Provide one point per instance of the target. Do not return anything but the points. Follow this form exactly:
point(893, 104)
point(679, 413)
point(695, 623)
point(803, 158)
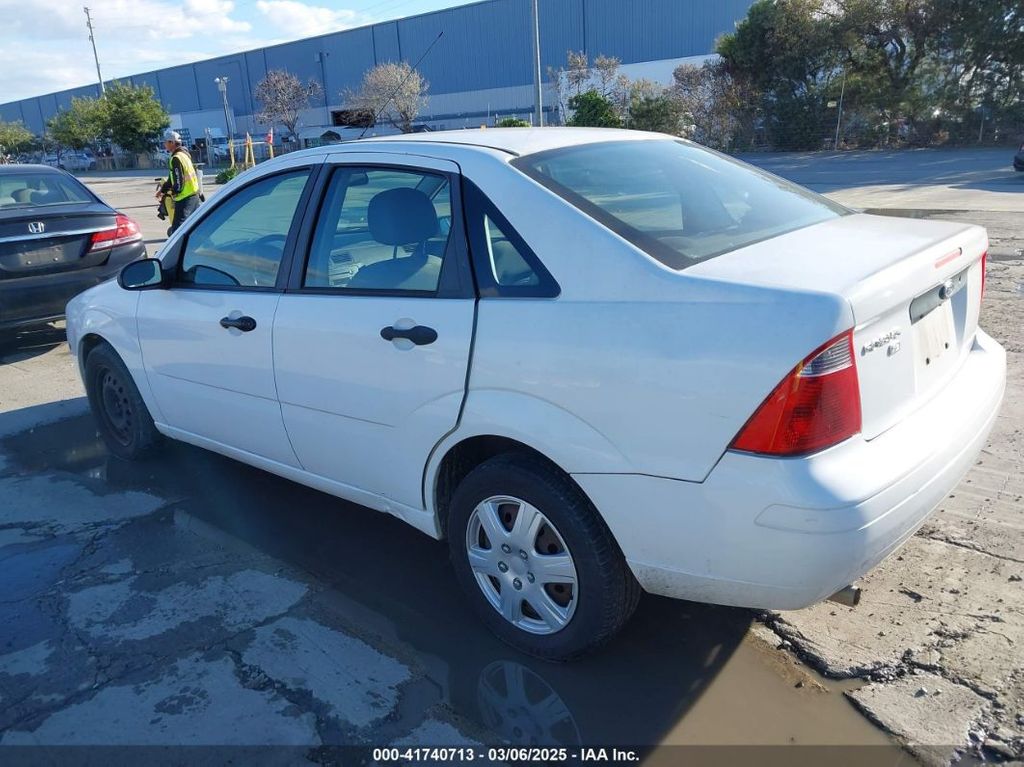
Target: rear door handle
point(420, 335)
point(243, 323)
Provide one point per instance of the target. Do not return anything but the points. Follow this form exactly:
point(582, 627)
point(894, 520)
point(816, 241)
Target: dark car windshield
point(30, 189)
point(680, 203)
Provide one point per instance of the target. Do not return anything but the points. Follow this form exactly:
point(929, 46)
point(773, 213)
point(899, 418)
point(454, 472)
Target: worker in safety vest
point(182, 184)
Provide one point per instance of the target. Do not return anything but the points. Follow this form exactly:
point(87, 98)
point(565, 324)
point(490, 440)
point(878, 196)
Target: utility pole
point(92, 39)
point(536, 67)
point(222, 86)
point(839, 117)
point(321, 56)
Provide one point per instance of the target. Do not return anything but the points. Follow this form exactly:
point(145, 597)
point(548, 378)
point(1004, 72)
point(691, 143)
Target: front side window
point(677, 202)
point(381, 229)
point(241, 243)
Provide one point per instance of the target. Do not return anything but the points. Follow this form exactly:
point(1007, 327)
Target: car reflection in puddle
point(369, 581)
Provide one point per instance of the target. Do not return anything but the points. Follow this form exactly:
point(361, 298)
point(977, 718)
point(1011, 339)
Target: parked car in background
point(597, 361)
point(71, 160)
point(1018, 160)
point(57, 238)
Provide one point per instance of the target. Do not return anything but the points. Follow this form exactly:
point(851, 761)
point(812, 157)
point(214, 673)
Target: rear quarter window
point(678, 202)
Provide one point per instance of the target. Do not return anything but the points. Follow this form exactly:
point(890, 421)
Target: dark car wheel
point(122, 417)
point(538, 563)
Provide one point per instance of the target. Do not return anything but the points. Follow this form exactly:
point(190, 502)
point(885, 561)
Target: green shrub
point(226, 175)
point(513, 122)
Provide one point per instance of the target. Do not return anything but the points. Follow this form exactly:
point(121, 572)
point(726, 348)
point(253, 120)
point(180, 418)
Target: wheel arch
point(501, 421)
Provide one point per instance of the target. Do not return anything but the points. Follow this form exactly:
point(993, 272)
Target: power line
point(96, 58)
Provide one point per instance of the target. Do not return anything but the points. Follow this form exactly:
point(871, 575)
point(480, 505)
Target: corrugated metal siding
point(150, 79)
point(11, 112)
point(178, 89)
point(86, 91)
point(643, 30)
point(385, 42)
point(561, 31)
point(349, 55)
point(485, 45)
point(205, 72)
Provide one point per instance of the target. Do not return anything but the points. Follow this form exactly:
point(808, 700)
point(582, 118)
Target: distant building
point(479, 71)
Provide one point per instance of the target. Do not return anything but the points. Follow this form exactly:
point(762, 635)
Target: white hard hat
point(172, 135)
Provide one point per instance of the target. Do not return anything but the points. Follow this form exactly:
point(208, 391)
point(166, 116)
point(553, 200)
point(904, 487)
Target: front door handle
point(243, 323)
point(420, 335)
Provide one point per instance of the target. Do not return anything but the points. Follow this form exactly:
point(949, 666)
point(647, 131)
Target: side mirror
point(145, 274)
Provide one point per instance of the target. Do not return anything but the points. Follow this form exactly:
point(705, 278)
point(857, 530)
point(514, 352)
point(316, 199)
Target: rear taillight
point(984, 263)
point(125, 230)
point(817, 405)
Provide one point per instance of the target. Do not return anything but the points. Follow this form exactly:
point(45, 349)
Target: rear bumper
point(34, 299)
point(786, 533)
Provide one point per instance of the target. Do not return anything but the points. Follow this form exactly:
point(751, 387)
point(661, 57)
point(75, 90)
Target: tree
point(652, 108)
point(281, 97)
point(135, 119)
point(716, 109)
point(789, 55)
point(81, 125)
point(13, 137)
point(591, 109)
point(568, 81)
point(395, 92)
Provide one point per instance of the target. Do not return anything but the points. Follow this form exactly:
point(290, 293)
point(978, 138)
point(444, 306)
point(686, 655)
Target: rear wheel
point(536, 560)
point(122, 417)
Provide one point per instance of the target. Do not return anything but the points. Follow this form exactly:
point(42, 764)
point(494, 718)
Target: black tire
point(606, 593)
point(121, 416)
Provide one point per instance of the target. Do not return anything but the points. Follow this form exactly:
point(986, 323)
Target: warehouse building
point(480, 69)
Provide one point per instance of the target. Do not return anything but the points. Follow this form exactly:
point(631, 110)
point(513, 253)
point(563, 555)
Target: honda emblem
point(37, 227)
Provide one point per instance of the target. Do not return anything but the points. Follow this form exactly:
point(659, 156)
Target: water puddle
point(681, 673)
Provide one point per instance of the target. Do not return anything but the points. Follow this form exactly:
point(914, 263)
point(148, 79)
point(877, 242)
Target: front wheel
point(538, 563)
point(122, 417)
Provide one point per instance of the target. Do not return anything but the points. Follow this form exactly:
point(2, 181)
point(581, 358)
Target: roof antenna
point(396, 90)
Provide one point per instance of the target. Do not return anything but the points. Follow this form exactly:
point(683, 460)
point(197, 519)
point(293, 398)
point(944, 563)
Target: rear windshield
point(32, 189)
point(680, 203)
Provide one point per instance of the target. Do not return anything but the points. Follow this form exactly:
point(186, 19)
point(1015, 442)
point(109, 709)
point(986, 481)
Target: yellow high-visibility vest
point(191, 184)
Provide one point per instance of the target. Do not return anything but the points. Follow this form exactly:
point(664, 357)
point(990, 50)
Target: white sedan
point(598, 362)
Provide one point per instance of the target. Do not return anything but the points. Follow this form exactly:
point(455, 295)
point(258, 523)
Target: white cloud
point(296, 19)
point(44, 45)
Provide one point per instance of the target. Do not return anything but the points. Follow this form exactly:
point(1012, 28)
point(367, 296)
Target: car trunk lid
point(914, 287)
point(36, 241)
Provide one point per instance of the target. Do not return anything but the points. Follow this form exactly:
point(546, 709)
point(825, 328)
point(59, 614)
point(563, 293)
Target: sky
point(44, 44)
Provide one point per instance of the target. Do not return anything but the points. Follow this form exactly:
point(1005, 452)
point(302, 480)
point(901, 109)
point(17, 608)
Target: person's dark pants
point(182, 210)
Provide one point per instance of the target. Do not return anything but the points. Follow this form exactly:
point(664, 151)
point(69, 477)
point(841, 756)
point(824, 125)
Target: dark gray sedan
point(1018, 160)
point(57, 238)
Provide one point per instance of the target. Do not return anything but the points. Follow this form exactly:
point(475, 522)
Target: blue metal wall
point(484, 45)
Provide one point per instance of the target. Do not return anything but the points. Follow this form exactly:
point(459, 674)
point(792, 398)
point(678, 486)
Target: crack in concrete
point(929, 535)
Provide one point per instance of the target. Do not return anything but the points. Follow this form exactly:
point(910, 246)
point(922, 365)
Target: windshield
point(35, 189)
point(678, 202)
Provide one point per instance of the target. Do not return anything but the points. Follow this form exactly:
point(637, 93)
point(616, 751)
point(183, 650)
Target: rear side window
point(504, 263)
point(677, 202)
point(25, 190)
point(382, 229)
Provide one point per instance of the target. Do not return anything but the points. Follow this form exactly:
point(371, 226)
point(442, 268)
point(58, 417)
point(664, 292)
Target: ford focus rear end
point(821, 380)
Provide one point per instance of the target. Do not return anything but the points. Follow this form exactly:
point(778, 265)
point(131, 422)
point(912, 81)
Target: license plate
point(934, 336)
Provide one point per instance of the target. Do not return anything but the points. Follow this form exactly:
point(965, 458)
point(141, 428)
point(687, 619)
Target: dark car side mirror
point(145, 274)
